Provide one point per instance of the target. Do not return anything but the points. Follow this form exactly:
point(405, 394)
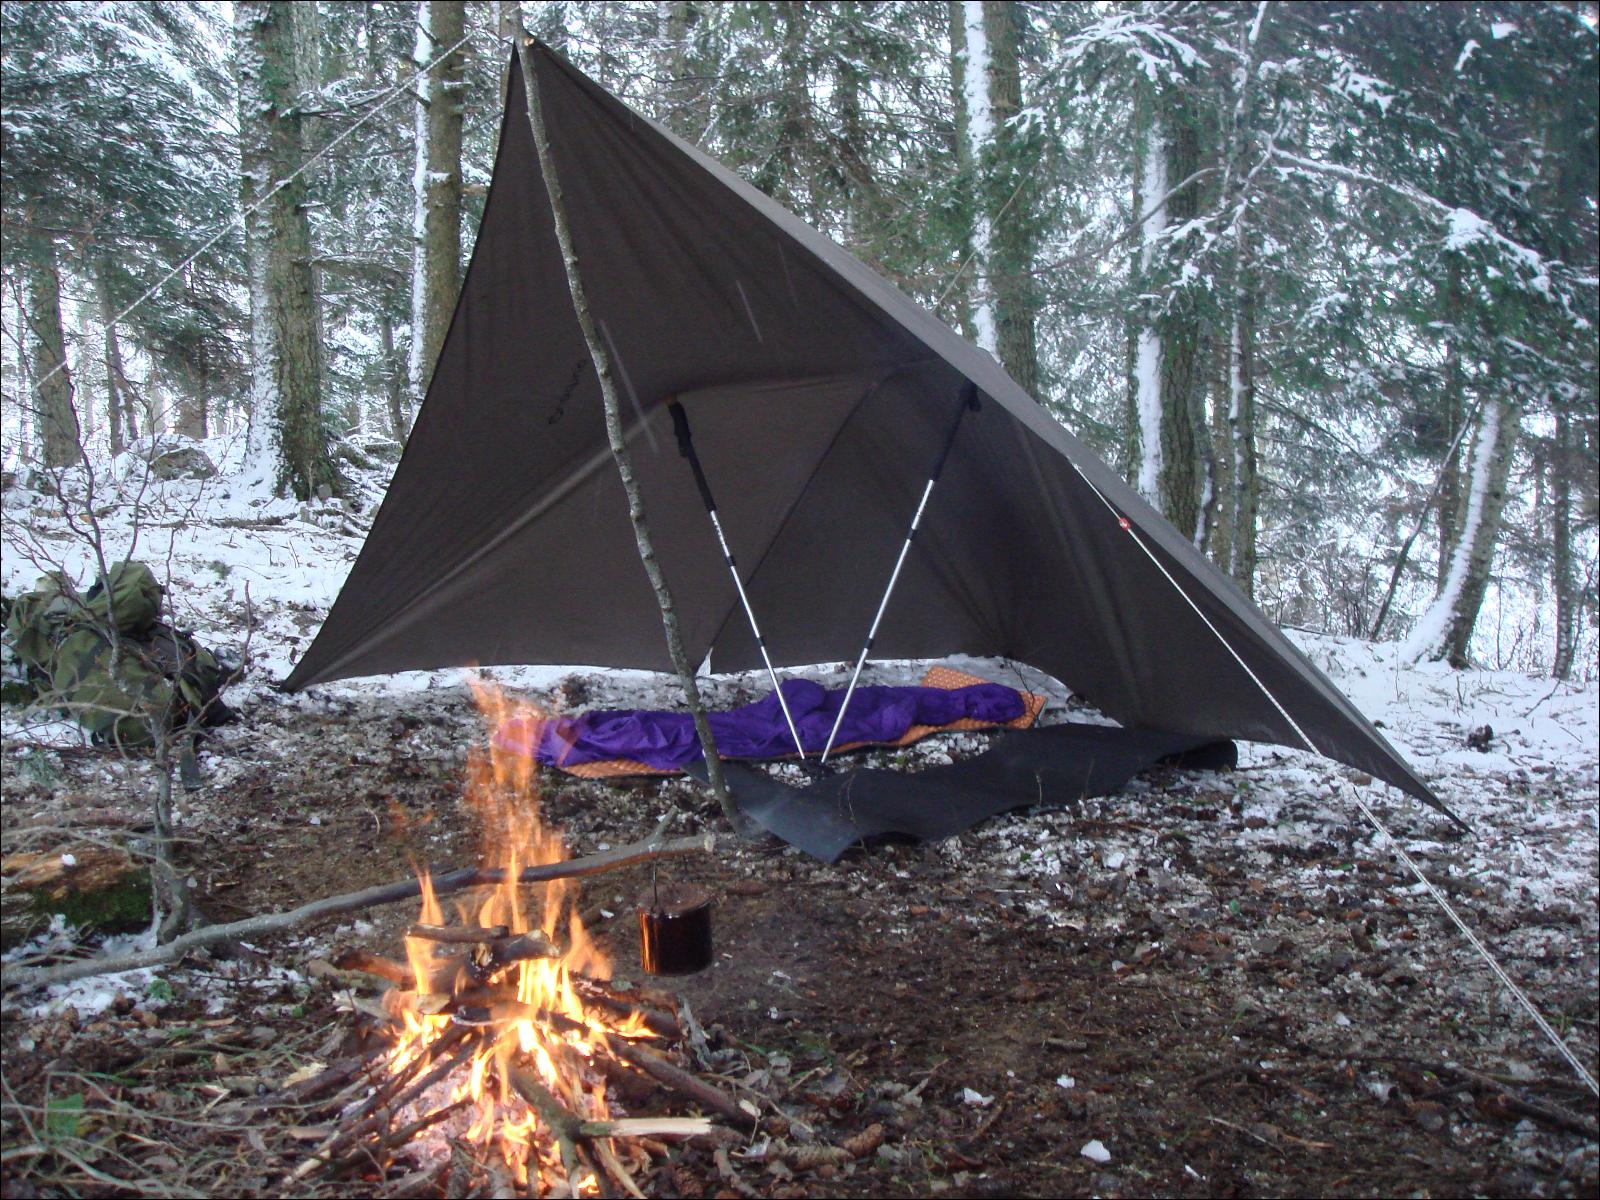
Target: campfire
point(504, 1030)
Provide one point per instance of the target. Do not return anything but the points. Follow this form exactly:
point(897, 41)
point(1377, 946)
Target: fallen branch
point(444, 884)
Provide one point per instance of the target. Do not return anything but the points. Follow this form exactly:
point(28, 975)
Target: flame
point(560, 1040)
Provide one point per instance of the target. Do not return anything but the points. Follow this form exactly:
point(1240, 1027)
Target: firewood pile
point(476, 1079)
point(473, 1083)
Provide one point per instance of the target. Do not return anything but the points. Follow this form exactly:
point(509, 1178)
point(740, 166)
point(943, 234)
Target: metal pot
point(675, 930)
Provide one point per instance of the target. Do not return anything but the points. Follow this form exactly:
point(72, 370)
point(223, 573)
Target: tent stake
point(680, 423)
point(969, 399)
point(601, 359)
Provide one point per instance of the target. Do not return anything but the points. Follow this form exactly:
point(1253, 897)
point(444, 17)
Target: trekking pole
point(680, 425)
point(969, 400)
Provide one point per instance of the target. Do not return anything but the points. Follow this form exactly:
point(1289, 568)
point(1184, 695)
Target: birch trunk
point(965, 288)
point(436, 188)
point(968, 27)
point(288, 439)
point(601, 359)
point(1444, 631)
point(52, 403)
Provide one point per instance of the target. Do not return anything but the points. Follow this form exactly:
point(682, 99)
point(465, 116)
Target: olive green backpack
point(121, 687)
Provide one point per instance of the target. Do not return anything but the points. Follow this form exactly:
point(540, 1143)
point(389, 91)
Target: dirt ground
point(1229, 1005)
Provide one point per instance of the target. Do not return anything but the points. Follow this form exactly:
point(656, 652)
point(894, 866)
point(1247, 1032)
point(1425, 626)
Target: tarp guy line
point(1372, 817)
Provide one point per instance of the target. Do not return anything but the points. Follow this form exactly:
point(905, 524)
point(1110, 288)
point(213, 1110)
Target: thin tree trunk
point(1224, 517)
point(393, 379)
point(289, 440)
point(979, 128)
point(1454, 413)
point(1181, 341)
point(601, 359)
point(116, 381)
point(965, 287)
point(436, 188)
point(1142, 425)
point(52, 399)
point(192, 418)
point(1561, 573)
point(1246, 487)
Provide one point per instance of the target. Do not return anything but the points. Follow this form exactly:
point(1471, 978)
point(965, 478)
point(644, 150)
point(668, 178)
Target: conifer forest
point(1317, 281)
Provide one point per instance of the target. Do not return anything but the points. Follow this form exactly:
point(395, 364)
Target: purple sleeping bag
point(667, 739)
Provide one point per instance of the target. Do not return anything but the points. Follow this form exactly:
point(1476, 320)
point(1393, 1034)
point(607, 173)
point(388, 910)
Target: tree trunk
point(1243, 499)
point(965, 290)
point(1246, 493)
point(193, 417)
point(1445, 629)
point(601, 359)
point(1219, 545)
point(116, 380)
point(1453, 412)
point(680, 109)
point(52, 399)
point(436, 188)
point(780, 175)
point(288, 438)
point(1142, 425)
point(1006, 201)
point(1562, 582)
point(1181, 341)
point(978, 122)
point(393, 379)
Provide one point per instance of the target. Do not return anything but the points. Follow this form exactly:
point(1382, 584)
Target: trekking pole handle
point(969, 400)
point(680, 426)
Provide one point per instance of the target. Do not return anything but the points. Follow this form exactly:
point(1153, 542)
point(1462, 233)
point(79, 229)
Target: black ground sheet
point(1054, 765)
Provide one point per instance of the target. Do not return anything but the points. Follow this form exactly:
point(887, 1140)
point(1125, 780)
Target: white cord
point(1449, 910)
point(1522, 998)
point(238, 218)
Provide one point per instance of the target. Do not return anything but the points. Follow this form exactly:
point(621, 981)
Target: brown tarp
point(819, 395)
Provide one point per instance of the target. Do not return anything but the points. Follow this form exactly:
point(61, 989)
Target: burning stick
point(599, 994)
point(563, 1125)
point(389, 969)
point(458, 933)
point(680, 1081)
point(335, 1146)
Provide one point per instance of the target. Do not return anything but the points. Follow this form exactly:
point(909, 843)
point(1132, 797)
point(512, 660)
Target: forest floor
point(1211, 984)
